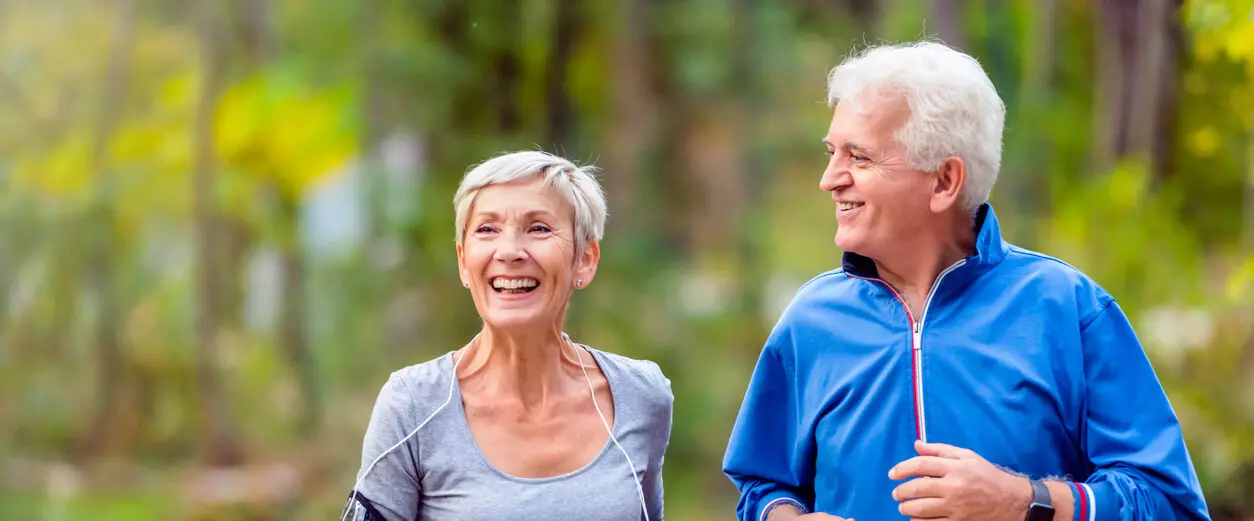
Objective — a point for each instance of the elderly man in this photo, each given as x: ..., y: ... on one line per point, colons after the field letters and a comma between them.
x: 942, y: 373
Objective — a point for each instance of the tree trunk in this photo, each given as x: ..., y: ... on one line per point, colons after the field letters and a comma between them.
x: 558, y: 124
x: 109, y: 360
x: 1115, y: 41
x: 1161, y: 47
x: 1031, y: 192
x: 292, y: 318
x: 220, y: 446
x: 292, y: 335
x: 1248, y: 228
x: 258, y: 36
x: 1139, y: 50
x: 751, y: 178
x: 946, y: 22
x: 1042, y: 39
x: 373, y: 116
x: 508, y: 64
x: 867, y: 15
x: 634, y: 117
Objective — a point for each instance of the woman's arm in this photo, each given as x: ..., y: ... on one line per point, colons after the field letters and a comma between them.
x: 387, y: 481
x: 659, y: 430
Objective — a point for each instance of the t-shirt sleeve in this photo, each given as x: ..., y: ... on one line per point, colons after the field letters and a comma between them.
x: 392, y: 484
x: 659, y: 428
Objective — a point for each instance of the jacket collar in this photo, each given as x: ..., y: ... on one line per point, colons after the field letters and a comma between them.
x: 990, y: 249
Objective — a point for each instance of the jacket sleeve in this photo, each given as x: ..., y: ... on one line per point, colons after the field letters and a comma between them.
x: 770, y: 456
x: 1131, y: 436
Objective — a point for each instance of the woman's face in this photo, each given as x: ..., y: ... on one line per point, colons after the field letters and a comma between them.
x: 518, y: 254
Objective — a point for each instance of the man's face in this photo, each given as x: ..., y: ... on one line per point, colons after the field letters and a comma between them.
x: 880, y: 201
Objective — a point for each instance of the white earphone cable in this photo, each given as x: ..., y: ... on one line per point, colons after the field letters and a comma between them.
x: 640, y: 489
x: 453, y: 382
x: 360, y: 479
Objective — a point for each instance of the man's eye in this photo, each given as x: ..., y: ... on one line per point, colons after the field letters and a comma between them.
x: 859, y: 159
x: 829, y: 152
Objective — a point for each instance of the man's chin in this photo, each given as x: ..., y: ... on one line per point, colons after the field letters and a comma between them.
x: 846, y: 243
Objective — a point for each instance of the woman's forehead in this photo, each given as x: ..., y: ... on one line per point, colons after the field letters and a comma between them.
x: 522, y: 197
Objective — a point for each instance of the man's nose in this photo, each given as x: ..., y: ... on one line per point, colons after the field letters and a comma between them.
x: 835, y: 178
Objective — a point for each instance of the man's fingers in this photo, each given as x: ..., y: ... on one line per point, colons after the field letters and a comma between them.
x: 927, y: 508
x: 922, y: 466
x: 919, y: 488
x: 942, y: 450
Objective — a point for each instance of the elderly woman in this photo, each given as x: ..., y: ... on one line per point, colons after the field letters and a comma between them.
x: 521, y: 422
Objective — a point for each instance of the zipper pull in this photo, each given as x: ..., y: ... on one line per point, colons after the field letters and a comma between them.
x: 918, y: 328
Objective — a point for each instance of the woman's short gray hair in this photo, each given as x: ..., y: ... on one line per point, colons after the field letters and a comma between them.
x: 954, y: 108
x: 577, y: 184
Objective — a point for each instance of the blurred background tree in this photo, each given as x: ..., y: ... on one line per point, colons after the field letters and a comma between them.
x: 222, y: 224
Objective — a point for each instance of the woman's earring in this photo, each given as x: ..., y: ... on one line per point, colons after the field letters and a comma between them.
x: 466, y: 283
x: 579, y: 283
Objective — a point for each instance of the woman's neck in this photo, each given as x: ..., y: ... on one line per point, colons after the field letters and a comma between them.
x: 525, y: 365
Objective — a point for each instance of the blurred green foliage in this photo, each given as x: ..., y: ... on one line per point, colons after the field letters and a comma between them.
x: 338, y: 130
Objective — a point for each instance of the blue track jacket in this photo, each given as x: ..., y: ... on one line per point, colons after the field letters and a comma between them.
x: 1016, y: 356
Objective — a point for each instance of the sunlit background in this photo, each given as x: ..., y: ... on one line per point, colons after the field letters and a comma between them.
x: 223, y: 223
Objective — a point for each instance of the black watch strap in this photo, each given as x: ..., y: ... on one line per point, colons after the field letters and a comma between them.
x: 1042, y: 507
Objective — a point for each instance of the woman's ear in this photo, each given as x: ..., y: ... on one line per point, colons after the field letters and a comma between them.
x: 950, y: 178
x: 586, y: 264
x: 462, y: 273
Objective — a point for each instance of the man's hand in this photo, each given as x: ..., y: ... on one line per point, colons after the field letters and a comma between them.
x: 958, y: 485
x: 790, y: 513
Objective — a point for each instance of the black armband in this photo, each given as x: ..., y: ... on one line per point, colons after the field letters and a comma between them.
x: 360, y: 508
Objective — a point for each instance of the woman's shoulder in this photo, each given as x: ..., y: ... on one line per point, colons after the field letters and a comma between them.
x: 636, y: 376
x: 419, y: 381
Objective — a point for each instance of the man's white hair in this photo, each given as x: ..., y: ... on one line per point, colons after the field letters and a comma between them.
x: 954, y: 108
x: 576, y: 184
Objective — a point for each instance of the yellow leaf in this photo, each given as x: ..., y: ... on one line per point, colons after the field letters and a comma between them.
x: 1204, y: 142
x: 62, y: 171
x: 284, y: 133
x: 1206, y: 49
x: 1239, y: 41
x: 1241, y: 283
x: 1127, y: 184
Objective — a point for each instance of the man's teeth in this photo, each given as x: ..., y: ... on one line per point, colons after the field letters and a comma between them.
x: 848, y: 206
x: 514, y: 283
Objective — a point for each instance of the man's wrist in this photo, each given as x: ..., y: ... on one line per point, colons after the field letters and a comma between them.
x: 1060, y: 497
x: 1023, y: 499
x: 783, y: 510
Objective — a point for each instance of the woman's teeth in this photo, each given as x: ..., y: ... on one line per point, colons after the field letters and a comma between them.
x: 511, y: 285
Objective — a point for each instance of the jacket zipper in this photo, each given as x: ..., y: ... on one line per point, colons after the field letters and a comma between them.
x: 916, y: 346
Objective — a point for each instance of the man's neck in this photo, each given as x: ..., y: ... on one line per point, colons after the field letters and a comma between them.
x: 914, y: 268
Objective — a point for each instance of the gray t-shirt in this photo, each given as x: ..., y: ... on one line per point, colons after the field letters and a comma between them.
x: 440, y: 474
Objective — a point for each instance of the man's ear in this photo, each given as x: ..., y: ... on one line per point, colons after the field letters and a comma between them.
x: 586, y: 267
x: 951, y: 177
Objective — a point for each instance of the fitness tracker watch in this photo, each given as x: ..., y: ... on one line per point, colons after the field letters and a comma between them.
x: 1042, y: 508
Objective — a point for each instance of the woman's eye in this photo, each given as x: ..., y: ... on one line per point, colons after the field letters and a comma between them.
x: 540, y: 228
x: 483, y: 229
